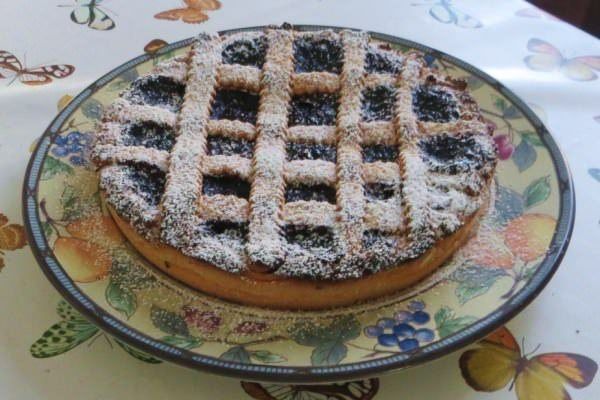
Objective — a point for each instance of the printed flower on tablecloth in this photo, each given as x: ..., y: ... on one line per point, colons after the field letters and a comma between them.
x: 12, y: 237
x: 194, y: 11
x: 498, y: 361
x: 92, y: 14
x: 356, y: 390
x: 12, y: 69
x: 547, y: 58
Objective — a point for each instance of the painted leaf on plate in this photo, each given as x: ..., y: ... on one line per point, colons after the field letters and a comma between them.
x: 121, y: 299
x: 92, y: 108
x: 532, y: 138
x: 473, y: 281
x: 509, y: 204
x: 54, y: 167
x: 267, y: 357
x: 168, y: 322
x: 237, y: 354
x: 448, y: 323
x: 524, y: 155
x: 183, y: 342
x: 328, y: 341
x: 537, y: 192
x: 72, y: 205
x: 511, y: 112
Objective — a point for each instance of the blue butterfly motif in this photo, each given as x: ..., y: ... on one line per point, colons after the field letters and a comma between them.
x: 445, y: 12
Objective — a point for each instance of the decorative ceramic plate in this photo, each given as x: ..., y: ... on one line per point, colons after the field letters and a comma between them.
x: 518, y: 246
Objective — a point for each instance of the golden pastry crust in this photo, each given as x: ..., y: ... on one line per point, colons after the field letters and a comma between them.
x: 385, y: 222
x: 256, y: 287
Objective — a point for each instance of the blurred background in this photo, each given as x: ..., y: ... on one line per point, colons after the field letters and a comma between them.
x: 584, y: 14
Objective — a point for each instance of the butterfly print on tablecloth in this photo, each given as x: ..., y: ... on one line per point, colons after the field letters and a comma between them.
x: 12, y: 237
x: 194, y: 11
x: 548, y: 58
x: 89, y: 12
x: 11, y: 68
x: 356, y: 390
x: 445, y: 12
x: 499, y: 361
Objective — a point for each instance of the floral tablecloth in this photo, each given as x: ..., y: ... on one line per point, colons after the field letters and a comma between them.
x: 49, y: 51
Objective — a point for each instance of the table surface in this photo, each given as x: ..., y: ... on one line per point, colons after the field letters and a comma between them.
x: 491, y: 35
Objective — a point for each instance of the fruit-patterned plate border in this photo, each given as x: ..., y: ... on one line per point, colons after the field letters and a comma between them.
x: 57, y: 276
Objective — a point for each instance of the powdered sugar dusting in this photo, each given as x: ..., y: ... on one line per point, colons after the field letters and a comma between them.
x: 419, y: 198
x: 265, y: 244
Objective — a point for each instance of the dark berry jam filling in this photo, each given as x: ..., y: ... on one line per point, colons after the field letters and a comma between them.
x: 380, y: 152
x: 318, y: 55
x: 148, y: 182
x: 376, y: 237
x: 452, y: 155
x: 148, y: 134
x: 224, y: 146
x: 309, y: 237
x: 235, y: 105
x: 378, y: 103
x: 246, y: 52
x: 315, y: 109
x: 307, y: 193
x: 303, y: 151
x: 379, y: 191
x: 434, y: 105
x: 381, y: 64
x: 236, y: 230
x: 225, y: 185
x: 157, y: 91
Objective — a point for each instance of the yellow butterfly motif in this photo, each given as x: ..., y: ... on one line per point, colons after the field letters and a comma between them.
x: 498, y: 361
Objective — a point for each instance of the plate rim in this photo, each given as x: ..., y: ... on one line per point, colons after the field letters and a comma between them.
x: 302, y: 374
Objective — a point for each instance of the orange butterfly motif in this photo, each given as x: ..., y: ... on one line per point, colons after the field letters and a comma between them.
x: 549, y: 58
x: 11, y: 66
x: 193, y: 13
x: 498, y: 361
x: 12, y: 237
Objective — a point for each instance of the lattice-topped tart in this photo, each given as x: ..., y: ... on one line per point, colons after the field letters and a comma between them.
x: 299, y: 170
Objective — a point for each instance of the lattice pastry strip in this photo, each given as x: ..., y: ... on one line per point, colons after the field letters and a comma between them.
x: 265, y: 243
x: 383, y: 190
x: 350, y: 193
